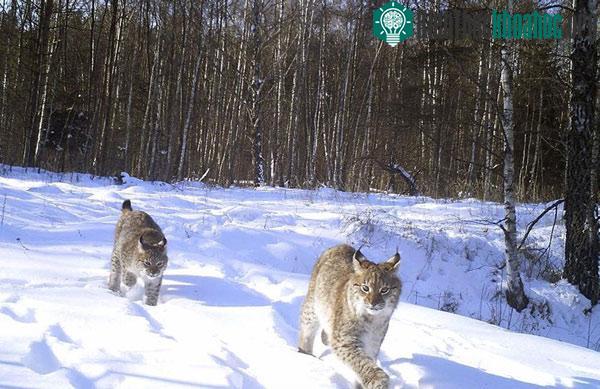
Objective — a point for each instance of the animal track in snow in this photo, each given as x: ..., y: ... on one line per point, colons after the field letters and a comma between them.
x: 20, y: 314
x: 40, y: 358
x: 57, y: 331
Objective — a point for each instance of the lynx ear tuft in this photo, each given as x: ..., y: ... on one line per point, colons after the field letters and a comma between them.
x: 360, y: 262
x: 126, y: 206
x: 141, y: 245
x: 152, y: 239
x: 392, y: 263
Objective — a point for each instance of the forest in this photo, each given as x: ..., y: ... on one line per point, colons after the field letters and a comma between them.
x: 300, y: 94
x: 167, y: 90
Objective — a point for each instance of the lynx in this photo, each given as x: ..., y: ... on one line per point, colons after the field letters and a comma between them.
x: 351, y: 299
x: 140, y: 250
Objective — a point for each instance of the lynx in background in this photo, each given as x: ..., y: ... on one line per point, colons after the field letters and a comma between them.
x: 140, y: 251
x: 352, y: 300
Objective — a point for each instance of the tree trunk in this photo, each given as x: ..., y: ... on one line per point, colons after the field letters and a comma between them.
x: 40, y: 82
x: 107, y: 88
x: 515, y: 294
x: 477, y: 125
x: 192, y: 98
x: 257, y: 90
x: 581, y: 246
x: 319, y: 110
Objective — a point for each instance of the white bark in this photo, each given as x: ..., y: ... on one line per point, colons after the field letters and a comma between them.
x: 188, y: 118
x: 515, y: 294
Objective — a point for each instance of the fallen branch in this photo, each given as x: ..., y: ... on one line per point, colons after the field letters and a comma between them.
x: 537, y: 219
x: 394, y: 168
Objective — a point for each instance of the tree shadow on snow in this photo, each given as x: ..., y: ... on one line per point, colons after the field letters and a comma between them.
x: 211, y: 291
x: 443, y: 373
x: 243, y: 379
x: 585, y: 382
x: 163, y: 381
x: 286, y: 316
x: 75, y: 378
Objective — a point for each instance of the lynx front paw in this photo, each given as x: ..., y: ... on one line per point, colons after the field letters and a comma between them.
x: 113, y: 283
x: 115, y: 288
x: 378, y: 380
x: 129, y: 279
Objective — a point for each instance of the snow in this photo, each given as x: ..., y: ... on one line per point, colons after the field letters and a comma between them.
x: 240, y: 261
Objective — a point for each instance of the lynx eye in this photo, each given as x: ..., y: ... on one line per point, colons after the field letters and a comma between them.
x: 159, y: 263
x: 365, y: 288
x: 384, y: 290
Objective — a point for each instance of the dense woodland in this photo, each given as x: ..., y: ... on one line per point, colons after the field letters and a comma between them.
x: 300, y: 94
x: 176, y: 89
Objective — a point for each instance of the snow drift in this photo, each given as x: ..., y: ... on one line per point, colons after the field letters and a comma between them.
x: 240, y: 260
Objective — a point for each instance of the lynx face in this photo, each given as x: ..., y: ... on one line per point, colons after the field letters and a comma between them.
x: 152, y: 254
x: 375, y: 287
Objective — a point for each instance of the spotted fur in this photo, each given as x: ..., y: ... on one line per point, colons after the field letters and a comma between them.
x: 351, y: 299
x: 140, y: 250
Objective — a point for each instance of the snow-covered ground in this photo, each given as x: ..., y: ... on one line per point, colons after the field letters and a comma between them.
x: 240, y: 260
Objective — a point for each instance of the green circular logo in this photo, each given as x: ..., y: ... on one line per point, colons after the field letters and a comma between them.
x: 392, y: 23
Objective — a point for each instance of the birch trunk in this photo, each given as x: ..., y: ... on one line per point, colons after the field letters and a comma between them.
x: 515, y: 294
x: 257, y: 90
x: 149, y: 99
x: 191, y: 100
x: 477, y: 125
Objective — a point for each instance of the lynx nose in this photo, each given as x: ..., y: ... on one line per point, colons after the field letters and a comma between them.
x: 374, y: 302
x: 153, y: 272
x: 377, y: 304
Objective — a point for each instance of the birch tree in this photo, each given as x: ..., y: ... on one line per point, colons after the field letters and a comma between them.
x: 515, y: 294
x: 191, y: 101
x: 163, y: 92
x: 257, y: 94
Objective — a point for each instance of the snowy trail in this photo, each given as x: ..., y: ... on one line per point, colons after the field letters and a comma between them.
x: 239, y: 266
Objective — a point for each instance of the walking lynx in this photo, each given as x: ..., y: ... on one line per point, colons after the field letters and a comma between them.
x: 140, y: 250
x: 352, y: 300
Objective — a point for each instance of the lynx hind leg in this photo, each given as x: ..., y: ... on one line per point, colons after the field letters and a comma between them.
x: 152, y: 289
x: 114, y: 280
x: 309, y: 325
